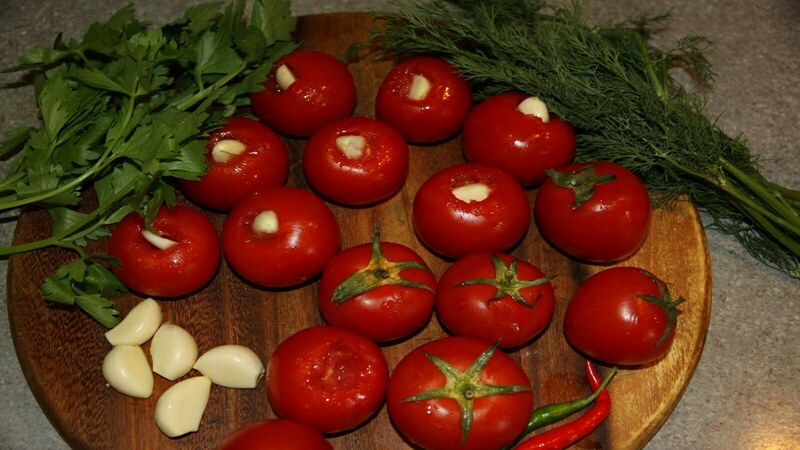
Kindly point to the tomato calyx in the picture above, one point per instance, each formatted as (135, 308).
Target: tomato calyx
(464, 387)
(664, 301)
(378, 272)
(583, 182)
(507, 282)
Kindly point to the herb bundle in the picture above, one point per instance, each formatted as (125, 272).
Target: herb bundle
(124, 110)
(617, 92)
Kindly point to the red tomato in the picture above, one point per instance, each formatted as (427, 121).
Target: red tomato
(425, 99)
(232, 176)
(305, 90)
(280, 236)
(428, 413)
(327, 377)
(383, 291)
(178, 262)
(356, 161)
(594, 211)
(275, 434)
(498, 133)
(470, 208)
(622, 316)
(495, 298)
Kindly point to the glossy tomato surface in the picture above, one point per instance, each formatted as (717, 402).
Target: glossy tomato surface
(430, 118)
(323, 90)
(230, 177)
(186, 266)
(356, 161)
(384, 312)
(275, 434)
(303, 236)
(436, 423)
(498, 134)
(495, 297)
(327, 377)
(609, 226)
(455, 227)
(609, 320)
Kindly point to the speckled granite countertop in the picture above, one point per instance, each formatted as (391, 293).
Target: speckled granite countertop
(744, 394)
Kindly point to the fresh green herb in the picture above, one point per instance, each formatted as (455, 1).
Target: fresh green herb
(123, 111)
(617, 92)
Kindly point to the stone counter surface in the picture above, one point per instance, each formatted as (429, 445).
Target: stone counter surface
(744, 393)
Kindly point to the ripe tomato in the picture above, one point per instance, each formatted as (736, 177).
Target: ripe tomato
(470, 208)
(622, 315)
(356, 161)
(383, 291)
(275, 434)
(495, 298)
(594, 211)
(430, 386)
(305, 90)
(179, 256)
(498, 133)
(425, 99)
(327, 377)
(280, 236)
(243, 156)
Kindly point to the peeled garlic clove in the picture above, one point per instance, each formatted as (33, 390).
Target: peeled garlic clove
(180, 408)
(173, 351)
(233, 366)
(125, 368)
(138, 326)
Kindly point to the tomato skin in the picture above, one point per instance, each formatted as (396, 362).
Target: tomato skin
(606, 320)
(275, 434)
(456, 228)
(324, 90)
(469, 310)
(496, 133)
(179, 270)
(436, 424)
(307, 237)
(372, 177)
(264, 163)
(436, 117)
(385, 313)
(327, 377)
(610, 226)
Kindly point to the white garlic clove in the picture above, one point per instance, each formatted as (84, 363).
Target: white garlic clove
(475, 192)
(173, 351)
(126, 369)
(138, 326)
(233, 366)
(180, 408)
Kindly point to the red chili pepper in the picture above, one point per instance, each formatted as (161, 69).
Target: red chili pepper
(566, 435)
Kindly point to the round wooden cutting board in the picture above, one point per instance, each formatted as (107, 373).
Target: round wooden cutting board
(61, 349)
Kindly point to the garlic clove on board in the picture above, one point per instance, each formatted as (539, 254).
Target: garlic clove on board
(180, 408)
(126, 369)
(173, 351)
(233, 366)
(138, 326)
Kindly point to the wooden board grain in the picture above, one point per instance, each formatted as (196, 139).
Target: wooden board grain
(61, 350)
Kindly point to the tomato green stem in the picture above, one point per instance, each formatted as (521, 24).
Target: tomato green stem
(507, 282)
(582, 182)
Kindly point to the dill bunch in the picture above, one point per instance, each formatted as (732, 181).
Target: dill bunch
(619, 94)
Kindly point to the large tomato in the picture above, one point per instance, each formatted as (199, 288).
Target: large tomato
(594, 211)
(495, 297)
(243, 156)
(356, 161)
(176, 257)
(327, 377)
(459, 393)
(280, 236)
(622, 315)
(305, 90)
(500, 132)
(470, 208)
(275, 434)
(383, 291)
(425, 98)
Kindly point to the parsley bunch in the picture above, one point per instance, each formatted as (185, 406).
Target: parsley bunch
(123, 111)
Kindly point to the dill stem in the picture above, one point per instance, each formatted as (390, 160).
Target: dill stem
(763, 193)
